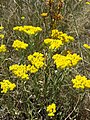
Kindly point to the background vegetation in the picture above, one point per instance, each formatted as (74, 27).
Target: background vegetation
(30, 98)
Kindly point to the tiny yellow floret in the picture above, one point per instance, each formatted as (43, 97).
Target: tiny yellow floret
(51, 109)
(1, 27)
(2, 48)
(88, 3)
(7, 85)
(1, 36)
(22, 17)
(44, 14)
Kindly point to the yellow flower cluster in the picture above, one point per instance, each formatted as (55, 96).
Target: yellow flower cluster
(66, 61)
(61, 36)
(86, 46)
(37, 61)
(53, 43)
(1, 36)
(19, 71)
(7, 85)
(51, 109)
(58, 39)
(30, 30)
(81, 82)
(17, 44)
(2, 48)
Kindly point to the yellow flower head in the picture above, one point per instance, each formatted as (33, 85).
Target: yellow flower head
(61, 36)
(44, 14)
(22, 17)
(1, 36)
(30, 30)
(86, 46)
(66, 61)
(37, 61)
(87, 84)
(7, 85)
(88, 3)
(58, 39)
(1, 27)
(53, 43)
(55, 33)
(80, 82)
(19, 71)
(51, 109)
(2, 48)
(33, 69)
(17, 44)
